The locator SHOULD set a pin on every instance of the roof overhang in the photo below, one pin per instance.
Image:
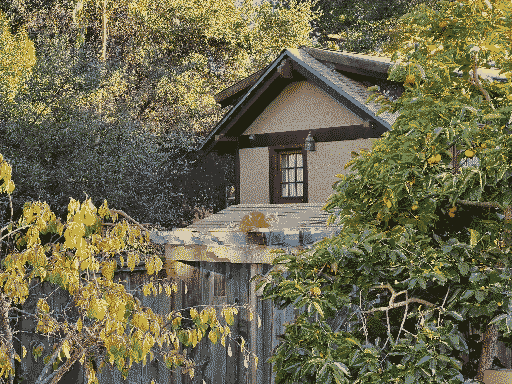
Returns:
(295, 65)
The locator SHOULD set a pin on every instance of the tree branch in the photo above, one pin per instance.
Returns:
(10, 233)
(129, 217)
(476, 82)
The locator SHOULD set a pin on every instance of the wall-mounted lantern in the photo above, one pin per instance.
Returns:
(309, 145)
(251, 137)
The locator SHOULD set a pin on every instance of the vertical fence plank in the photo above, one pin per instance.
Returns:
(232, 296)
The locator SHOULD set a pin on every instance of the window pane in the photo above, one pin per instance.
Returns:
(285, 175)
(292, 160)
(284, 163)
(292, 190)
(299, 160)
(291, 175)
(299, 174)
(285, 190)
(299, 189)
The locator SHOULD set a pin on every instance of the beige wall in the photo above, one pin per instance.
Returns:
(254, 178)
(302, 105)
(328, 160)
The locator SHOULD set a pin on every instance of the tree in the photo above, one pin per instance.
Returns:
(164, 62)
(16, 60)
(356, 26)
(424, 253)
(80, 257)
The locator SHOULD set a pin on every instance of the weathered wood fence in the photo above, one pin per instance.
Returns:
(203, 283)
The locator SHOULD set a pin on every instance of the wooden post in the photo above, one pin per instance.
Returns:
(490, 338)
(253, 326)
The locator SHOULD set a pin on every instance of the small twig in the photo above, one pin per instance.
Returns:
(479, 203)
(442, 306)
(10, 233)
(479, 85)
(401, 304)
(129, 217)
(362, 316)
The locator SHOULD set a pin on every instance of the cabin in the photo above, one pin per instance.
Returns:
(291, 129)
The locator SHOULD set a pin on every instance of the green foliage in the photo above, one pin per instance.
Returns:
(412, 248)
(81, 123)
(357, 26)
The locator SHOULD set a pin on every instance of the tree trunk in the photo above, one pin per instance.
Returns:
(489, 350)
(104, 39)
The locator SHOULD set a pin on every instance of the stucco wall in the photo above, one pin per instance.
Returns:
(302, 105)
(254, 179)
(328, 160)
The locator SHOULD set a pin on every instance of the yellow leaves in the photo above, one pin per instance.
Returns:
(141, 322)
(414, 207)
(108, 268)
(43, 306)
(79, 325)
(242, 344)
(17, 58)
(120, 312)
(133, 259)
(154, 265)
(253, 220)
(73, 235)
(147, 288)
(103, 211)
(98, 308)
(434, 159)
(194, 338)
(451, 211)
(6, 366)
(409, 79)
(65, 348)
(228, 314)
(443, 24)
(213, 336)
(24, 351)
(473, 237)
(193, 313)
(149, 341)
(176, 322)
(315, 291)
(469, 153)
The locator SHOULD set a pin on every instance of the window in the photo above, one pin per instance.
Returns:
(292, 180)
(288, 175)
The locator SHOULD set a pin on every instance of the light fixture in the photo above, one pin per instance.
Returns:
(309, 145)
(251, 137)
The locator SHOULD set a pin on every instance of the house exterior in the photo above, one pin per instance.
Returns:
(280, 182)
(304, 94)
